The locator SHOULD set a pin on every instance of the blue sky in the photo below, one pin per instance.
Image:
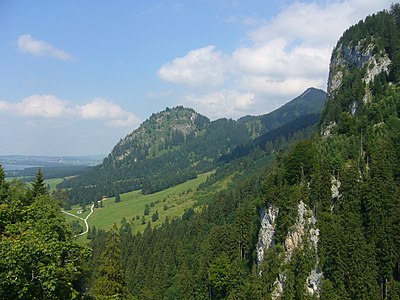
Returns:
(77, 76)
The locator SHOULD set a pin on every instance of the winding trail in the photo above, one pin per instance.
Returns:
(83, 219)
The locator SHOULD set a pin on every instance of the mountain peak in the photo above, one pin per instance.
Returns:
(311, 101)
(365, 60)
(163, 130)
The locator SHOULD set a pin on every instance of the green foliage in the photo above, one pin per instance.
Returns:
(184, 256)
(310, 102)
(209, 253)
(176, 145)
(117, 198)
(219, 275)
(154, 217)
(38, 186)
(3, 186)
(110, 279)
(38, 259)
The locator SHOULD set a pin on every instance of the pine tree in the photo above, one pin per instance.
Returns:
(3, 186)
(38, 186)
(154, 217)
(110, 281)
(117, 198)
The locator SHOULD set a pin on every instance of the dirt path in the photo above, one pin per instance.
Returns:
(83, 219)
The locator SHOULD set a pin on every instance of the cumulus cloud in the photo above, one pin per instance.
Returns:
(103, 109)
(223, 103)
(27, 44)
(200, 67)
(281, 57)
(316, 23)
(50, 107)
(272, 88)
(47, 106)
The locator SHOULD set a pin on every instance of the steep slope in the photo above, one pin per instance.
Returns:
(161, 132)
(338, 217)
(175, 145)
(324, 222)
(171, 147)
(311, 101)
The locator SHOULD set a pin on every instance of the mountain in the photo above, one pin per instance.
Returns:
(171, 147)
(311, 101)
(331, 220)
(175, 145)
(322, 222)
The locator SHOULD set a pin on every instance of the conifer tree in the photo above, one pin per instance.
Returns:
(117, 198)
(38, 186)
(110, 281)
(3, 186)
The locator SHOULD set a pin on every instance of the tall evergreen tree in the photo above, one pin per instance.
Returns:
(38, 186)
(117, 198)
(110, 281)
(3, 186)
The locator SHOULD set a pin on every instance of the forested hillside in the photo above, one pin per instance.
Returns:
(323, 222)
(299, 211)
(311, 101)
(175, 145)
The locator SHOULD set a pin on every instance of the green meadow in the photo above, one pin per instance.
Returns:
(52, 183)
(171, 202)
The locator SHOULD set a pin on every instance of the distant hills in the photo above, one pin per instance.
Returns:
(18, 162)
(178, 143)
(52, 166)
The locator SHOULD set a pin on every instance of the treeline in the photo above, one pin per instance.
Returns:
(197, 155)
(348, 176)
(198, 256)
(51, 172)
(212, 254)
(277, 139)
(312, 101)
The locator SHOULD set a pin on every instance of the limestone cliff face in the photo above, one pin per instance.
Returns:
(347, 56)
(267, 231)
(304, 233)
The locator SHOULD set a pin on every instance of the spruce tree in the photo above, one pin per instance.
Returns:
(38, 186)
(117, 198)
(3, 186)
(110, 281)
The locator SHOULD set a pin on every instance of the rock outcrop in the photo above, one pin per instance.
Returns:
(267, 231)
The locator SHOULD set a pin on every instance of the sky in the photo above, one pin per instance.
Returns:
(77, 76)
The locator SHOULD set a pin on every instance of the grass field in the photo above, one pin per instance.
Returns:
(51, 182)
(170, 202)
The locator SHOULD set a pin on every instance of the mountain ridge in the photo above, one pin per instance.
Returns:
(173, 146)
(310, 101)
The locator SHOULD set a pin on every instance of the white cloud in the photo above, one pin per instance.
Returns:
(280, 59)
(50, 107)
(102, 109)
(316, 23)
(46, 106)
(200, 67)
(276, 58)
(222, 103)
(270, 88)
(27, 44)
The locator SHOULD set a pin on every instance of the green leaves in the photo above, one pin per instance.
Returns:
(38, 258)
(110, 279)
